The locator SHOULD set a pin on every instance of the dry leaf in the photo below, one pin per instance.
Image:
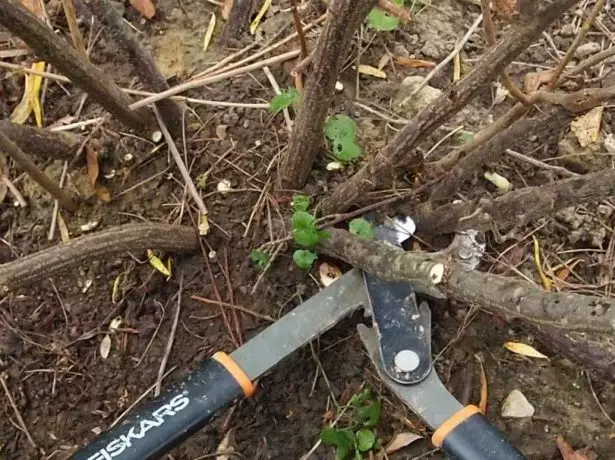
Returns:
(210, 32)
(524, 350)
(92, 163)
(35, 7)
(499, 181)
(412, 63)
(505, 8)
(400, 441)
(564, 272)
(145, 7)
(534, 80)
(226, 9)
(546, 281)
(261, 13)
(484, 389)
(568, 453)
(157, 263)
(587, 127)
(105, 346)
(103, 193)
(115, 323)
(383, 61)
(371, 71)
(328, 273)
(62, 227)
(117, 288)
(30, 100)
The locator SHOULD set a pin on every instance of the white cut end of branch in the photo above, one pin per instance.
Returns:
(437, 273)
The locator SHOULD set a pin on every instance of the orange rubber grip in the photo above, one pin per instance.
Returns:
(238, 374)
(453, 422)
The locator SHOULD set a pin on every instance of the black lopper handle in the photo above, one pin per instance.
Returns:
(174, 415)
(469, 436)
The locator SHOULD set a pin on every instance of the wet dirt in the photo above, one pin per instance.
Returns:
(50, 334)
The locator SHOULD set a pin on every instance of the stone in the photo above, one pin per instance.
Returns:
(418, 101)
(516, 405)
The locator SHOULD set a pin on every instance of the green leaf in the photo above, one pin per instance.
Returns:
(301, 203)
(342, 440)
(370, 415)
(361, 228)
(306, 238)
(340, 127)
(303, 220)
(260, 258)
(358, 399)
(347, 150)
(284, 100)
(465, 137)
(304, 258)
(365, 440)
(377, 19)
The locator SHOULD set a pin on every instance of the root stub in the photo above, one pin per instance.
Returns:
(114, 241)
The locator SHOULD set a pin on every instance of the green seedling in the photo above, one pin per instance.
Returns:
(305, 232)
(361, 228)
(260, 258)
(287, 98)
(465, 137)
(341, 130)
(382, 21)
(358, 437)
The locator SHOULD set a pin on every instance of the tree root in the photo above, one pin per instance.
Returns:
(114, 241)
(41, 143)
(506, 296)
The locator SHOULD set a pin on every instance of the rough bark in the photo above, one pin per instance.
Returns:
(13, 151)
(517, 207)
(48, 46)
(343, 18)
(496, 293)
(140, 59)
(491, 151)
(107, 243)
(399, 154)
(40, 142)
(238, 20)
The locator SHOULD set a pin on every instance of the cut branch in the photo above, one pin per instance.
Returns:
(502, 295)
(401, 152)
(108, 243)
(13, 151)
(56, 51)
(518, 207)
(342, 20)
(41, 142)
(138, 57)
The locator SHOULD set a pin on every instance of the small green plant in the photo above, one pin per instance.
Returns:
(465, 137)
(260, 258)
(382, 21)
(288, 97)
(341, 130)
(361, 228)
(357, 436)
(305, 232)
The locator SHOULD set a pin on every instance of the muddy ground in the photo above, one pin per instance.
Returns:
(50, 334)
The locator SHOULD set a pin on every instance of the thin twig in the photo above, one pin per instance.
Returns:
(541, 164)
(297, 21)
(16, 193)
(56, 205)
(73, 27)
(167, 351)
(276, 89)
(604, 412)
(17, 413)
(460, 44)
(236, 307)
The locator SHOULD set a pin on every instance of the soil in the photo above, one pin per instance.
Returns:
(50, 334)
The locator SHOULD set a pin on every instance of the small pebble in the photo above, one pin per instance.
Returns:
(587, 49)
(516, 405)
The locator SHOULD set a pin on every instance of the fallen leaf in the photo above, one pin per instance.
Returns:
(383, 61)
(484, 389)
(115, 323)
(400, 441)
(226, 9)
(91, 157)
(505, 8)
(30, 100)
(587, 127)
(328, 273)
(210, 32)
(35, 7)
(546, 282)
(145, 7)
(105, 346)
(103, 193)
(412, 63)
(117, 288)
(524, 350)
(261, 13)
(371, 71)
(499, 181)
(157, 263)
(62, 227)
(534, 80)
(564, 272)
(568, 453)
(500, 93)
(221, 132)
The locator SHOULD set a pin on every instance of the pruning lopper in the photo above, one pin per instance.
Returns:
(398, 343)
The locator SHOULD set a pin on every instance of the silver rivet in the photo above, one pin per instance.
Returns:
(407, 360)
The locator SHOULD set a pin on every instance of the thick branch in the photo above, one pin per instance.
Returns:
(306, 140)
(56, 51)
(13, 151)
(518, 207)
(492, 292)
(238, 20)
(399, 153)
(138, 57)
(40, 142)
(108, 243)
